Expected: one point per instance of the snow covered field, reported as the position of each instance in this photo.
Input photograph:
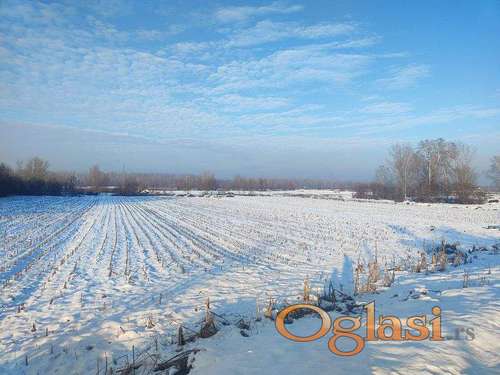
(86, 279)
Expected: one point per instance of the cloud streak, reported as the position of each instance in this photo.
(268, 32)
(244, 13)
(405, 76)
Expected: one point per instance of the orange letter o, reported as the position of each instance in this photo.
(326, 323)
(338, 332)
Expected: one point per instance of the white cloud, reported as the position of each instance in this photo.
(359, 43)
(268, 31)
(404, 77)
(152, 34)
(243, 13)
(109, 8)
(239, 103)
(289, 67)
(431, 118)
(387, 108)
(188, 48)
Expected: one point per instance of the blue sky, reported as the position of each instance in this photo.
(313, 89)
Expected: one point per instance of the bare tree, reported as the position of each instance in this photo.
(34, 178)
(130, 185)
(383, 175)
(436, 157)
(437, 170)
(8, 181)
(464, 176)
(451, 153)
(385, 185)
(494, 172)
(96, 178)
(404, 166)
(427, 151)
(36, 169)
(208, 181)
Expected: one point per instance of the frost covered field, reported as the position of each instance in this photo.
(86, 279)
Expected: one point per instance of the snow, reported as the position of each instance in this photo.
(476, 307)
(90, 273)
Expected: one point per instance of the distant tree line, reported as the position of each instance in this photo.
(35, 178)
(262, 184)
(435, 170)
(130, 183)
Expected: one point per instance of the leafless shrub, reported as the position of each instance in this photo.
(389, 277)
(268, 310)
(422, 263)
(257, 311)
(208, 329)
(442, 259)
(458, 259)
(150, 324)
(366, 284)
(180, 336)
(466, 279)
(357, 278)
(307, 291)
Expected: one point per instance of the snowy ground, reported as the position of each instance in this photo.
(88, 278)
(471, 326)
